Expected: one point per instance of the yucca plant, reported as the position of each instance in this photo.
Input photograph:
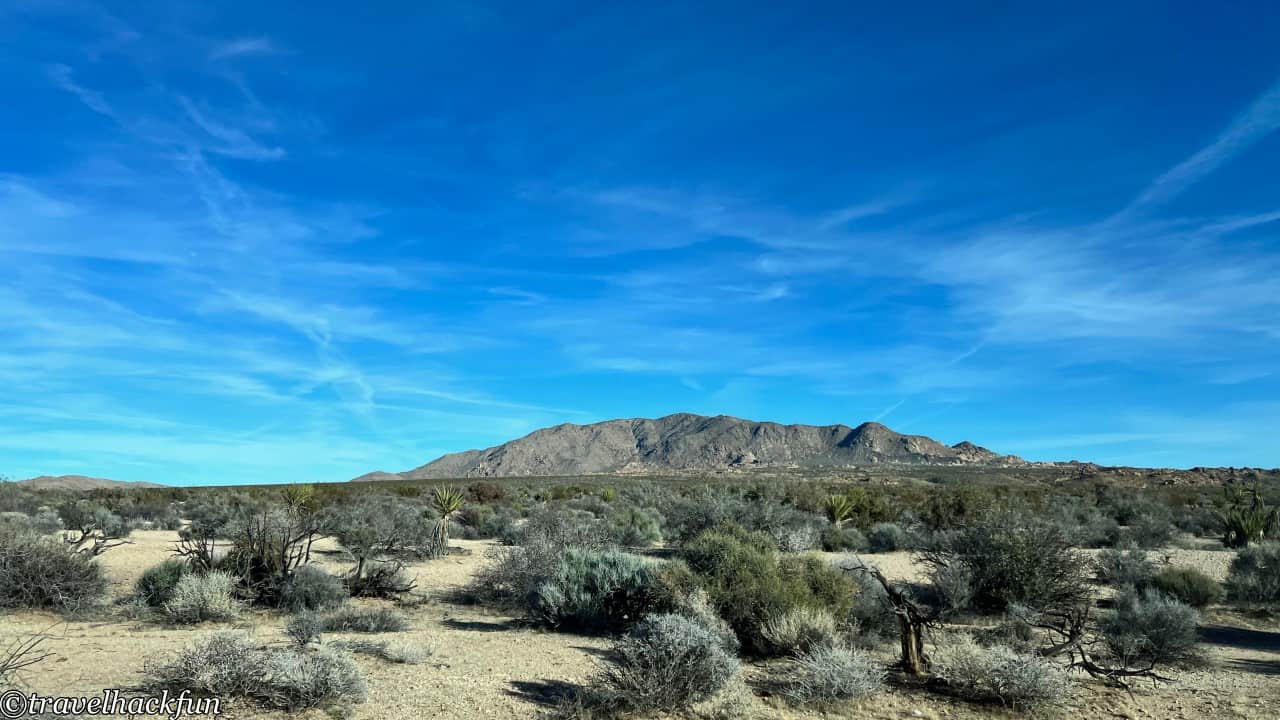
(839, 508)
(1243, 523)
(447, 501)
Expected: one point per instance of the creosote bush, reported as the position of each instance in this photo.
(311, 587)
(831, 672)
(227, 663)
(197, 598)
(887, 537)
(997, 674)
(667, 662)
(634, 527)
(749, 583)
(1014, 557)
(43, 573)
(156, 585)
(598, 590)
(843, 539)
(1255, 576)
(1188, 585)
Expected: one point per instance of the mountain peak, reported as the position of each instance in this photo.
(683, 442)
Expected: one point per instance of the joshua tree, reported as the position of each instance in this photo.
(446, 501)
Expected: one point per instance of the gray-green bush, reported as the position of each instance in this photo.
(887, 537)
(197, 598)
(227, 663)
(1254, 578)
(1188, 585)
(997, 674)
(311, 587)
(667, 662)
(364, 618)
(1125, 567)
(1150, 628)
(599, 590)
(831, 672)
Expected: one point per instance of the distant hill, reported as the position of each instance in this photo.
(686, 442)
(81, 483)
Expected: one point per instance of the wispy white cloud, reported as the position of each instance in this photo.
(1257, 121)
(244, 46)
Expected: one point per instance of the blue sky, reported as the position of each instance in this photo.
(271, 242)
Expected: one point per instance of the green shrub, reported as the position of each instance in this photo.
(401, 652)
(1150, 627)
(749, 583)
(887, 537)
(533, 555)
(311, 587)
(1188, 585)
(364, 618)
(635, 528)
(1125, 568)
(197, 598)
(1254, 578)
(43, 573)
(1014, 558)
(830, 672)
(156, 586)
(603, 590)
(843, 539)
(667, 663)
(997, 674)
(954, 584)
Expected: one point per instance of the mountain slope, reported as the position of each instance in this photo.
(694, 442)
(80, 483)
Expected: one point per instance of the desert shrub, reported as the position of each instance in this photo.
(1188, 585)
(887, 537)
(267, 545)
(299, 680)
(635, 528)
(666, 663)
(830, 672)
(1152, 528)
(843, 539)
(485, 491)
(197, 598)
(311, 587)
(380, 579)
(305, 627)
(91, 527)
(997, 674)
(156, 586)
(533, 555)
(1014, 558)
(225, 663)
(954, 585)
(749, 584)
(1150, 628)
(594, 590)
(46, 521)
(366, 619)
(1129, 567)
(44, 573)
(799, 629)
(672, 583)
(796, 538)
(1254, 578)
(1015, 631)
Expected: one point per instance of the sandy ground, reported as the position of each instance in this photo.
(483, 667)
